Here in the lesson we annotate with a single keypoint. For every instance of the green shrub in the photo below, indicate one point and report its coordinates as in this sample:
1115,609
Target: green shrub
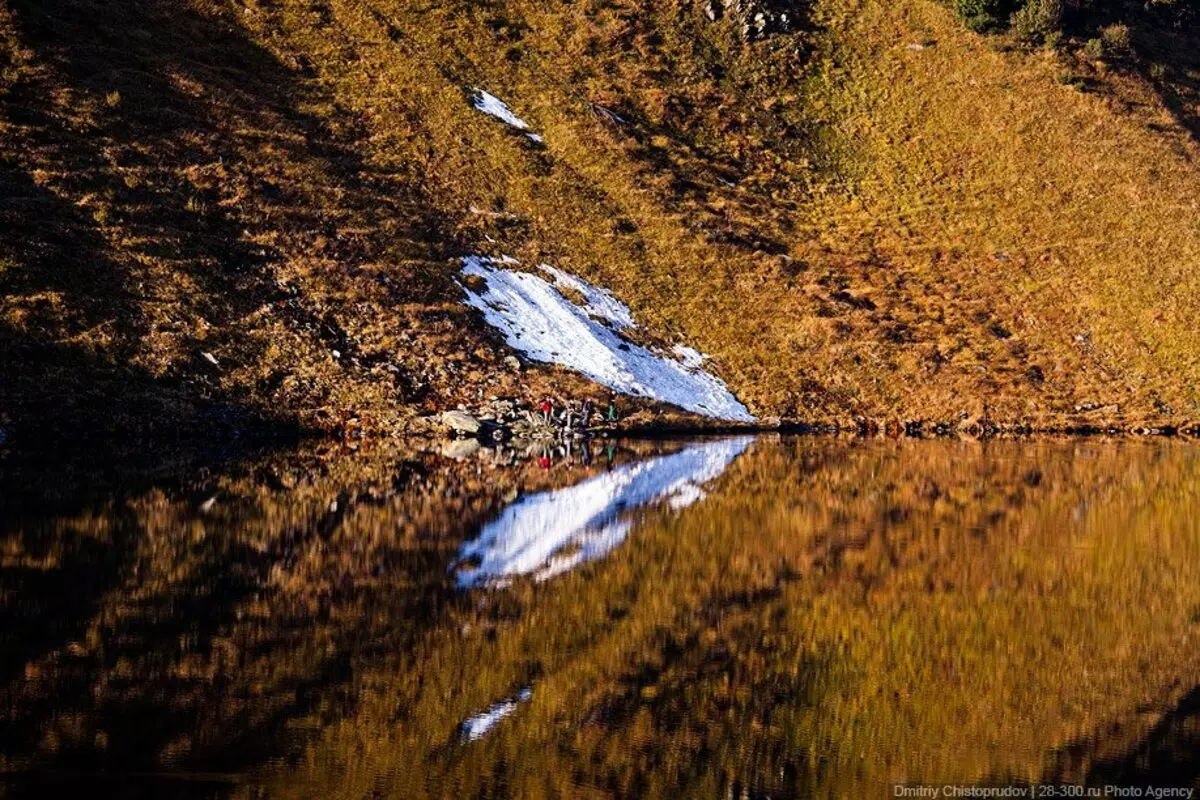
984,15
1094,48
1115,38
1037,20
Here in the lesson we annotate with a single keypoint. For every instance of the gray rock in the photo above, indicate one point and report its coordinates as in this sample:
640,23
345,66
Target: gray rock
462,422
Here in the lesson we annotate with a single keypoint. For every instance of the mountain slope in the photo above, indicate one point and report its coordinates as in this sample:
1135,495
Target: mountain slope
876,214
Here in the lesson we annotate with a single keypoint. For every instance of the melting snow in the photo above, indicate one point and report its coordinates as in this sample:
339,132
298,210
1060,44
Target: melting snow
537,319
550,533
598,303
475,727
690,358
494,106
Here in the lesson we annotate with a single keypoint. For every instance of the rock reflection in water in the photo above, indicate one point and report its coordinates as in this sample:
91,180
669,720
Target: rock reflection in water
834,617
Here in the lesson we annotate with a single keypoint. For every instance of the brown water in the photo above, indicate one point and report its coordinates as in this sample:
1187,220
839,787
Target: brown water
780,617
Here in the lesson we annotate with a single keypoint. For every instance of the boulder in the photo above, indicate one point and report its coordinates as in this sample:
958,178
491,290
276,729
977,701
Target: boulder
461,422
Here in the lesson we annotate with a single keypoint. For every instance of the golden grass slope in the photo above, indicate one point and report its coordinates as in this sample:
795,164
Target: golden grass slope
880,216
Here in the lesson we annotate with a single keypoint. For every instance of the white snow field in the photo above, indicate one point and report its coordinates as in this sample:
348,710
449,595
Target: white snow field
539,321
475,727
493,106
550,533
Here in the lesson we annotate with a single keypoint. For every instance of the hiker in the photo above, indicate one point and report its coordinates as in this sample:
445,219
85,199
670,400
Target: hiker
547,409
612,409
585,419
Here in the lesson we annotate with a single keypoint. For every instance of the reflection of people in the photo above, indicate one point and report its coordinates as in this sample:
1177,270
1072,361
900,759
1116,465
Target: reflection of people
585,453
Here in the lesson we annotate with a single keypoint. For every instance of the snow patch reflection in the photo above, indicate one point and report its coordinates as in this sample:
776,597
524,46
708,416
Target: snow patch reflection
476,727
547,534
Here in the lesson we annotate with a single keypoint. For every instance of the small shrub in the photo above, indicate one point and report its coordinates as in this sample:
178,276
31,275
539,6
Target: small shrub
113,99
984,15
1037,20
1094,48
1158,71
1115,38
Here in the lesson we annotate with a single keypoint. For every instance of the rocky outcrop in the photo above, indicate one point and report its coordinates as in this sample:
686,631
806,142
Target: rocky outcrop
755,19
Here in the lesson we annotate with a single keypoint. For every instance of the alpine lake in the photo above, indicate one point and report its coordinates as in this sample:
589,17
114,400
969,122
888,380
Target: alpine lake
728,617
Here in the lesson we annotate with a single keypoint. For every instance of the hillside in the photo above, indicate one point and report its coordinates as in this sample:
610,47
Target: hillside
220,213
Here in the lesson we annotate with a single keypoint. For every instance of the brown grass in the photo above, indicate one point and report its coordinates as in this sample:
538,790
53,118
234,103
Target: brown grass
849,226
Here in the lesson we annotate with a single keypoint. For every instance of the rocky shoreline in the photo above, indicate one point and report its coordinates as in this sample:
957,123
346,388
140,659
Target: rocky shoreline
555,421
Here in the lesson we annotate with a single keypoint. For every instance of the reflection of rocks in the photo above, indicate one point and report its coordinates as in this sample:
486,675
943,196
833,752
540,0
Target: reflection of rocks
459,449
755,19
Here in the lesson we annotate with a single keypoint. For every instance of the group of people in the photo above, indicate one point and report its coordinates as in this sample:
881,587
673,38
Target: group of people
571,417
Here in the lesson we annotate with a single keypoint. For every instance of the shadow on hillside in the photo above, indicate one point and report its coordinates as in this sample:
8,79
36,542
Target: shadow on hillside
1177,74
65,199
1164,42
153,152
66,399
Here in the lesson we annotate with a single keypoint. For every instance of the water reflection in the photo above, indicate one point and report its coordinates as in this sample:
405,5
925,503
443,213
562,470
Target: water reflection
833,617
550,533
478,725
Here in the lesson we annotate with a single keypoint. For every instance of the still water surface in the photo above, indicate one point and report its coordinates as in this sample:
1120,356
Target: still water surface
770,617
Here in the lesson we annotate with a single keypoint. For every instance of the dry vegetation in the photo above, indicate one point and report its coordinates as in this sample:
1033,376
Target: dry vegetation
880,215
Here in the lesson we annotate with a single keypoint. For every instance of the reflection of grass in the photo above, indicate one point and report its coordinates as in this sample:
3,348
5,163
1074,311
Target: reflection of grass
829,620
834,615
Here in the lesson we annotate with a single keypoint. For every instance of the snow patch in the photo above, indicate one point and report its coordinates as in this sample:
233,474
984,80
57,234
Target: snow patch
539,321
550,533
493,106
476,727
689,357
598,303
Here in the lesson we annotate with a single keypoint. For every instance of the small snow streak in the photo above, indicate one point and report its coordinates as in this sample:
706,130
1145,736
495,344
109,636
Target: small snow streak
493,106
550,533
538,320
